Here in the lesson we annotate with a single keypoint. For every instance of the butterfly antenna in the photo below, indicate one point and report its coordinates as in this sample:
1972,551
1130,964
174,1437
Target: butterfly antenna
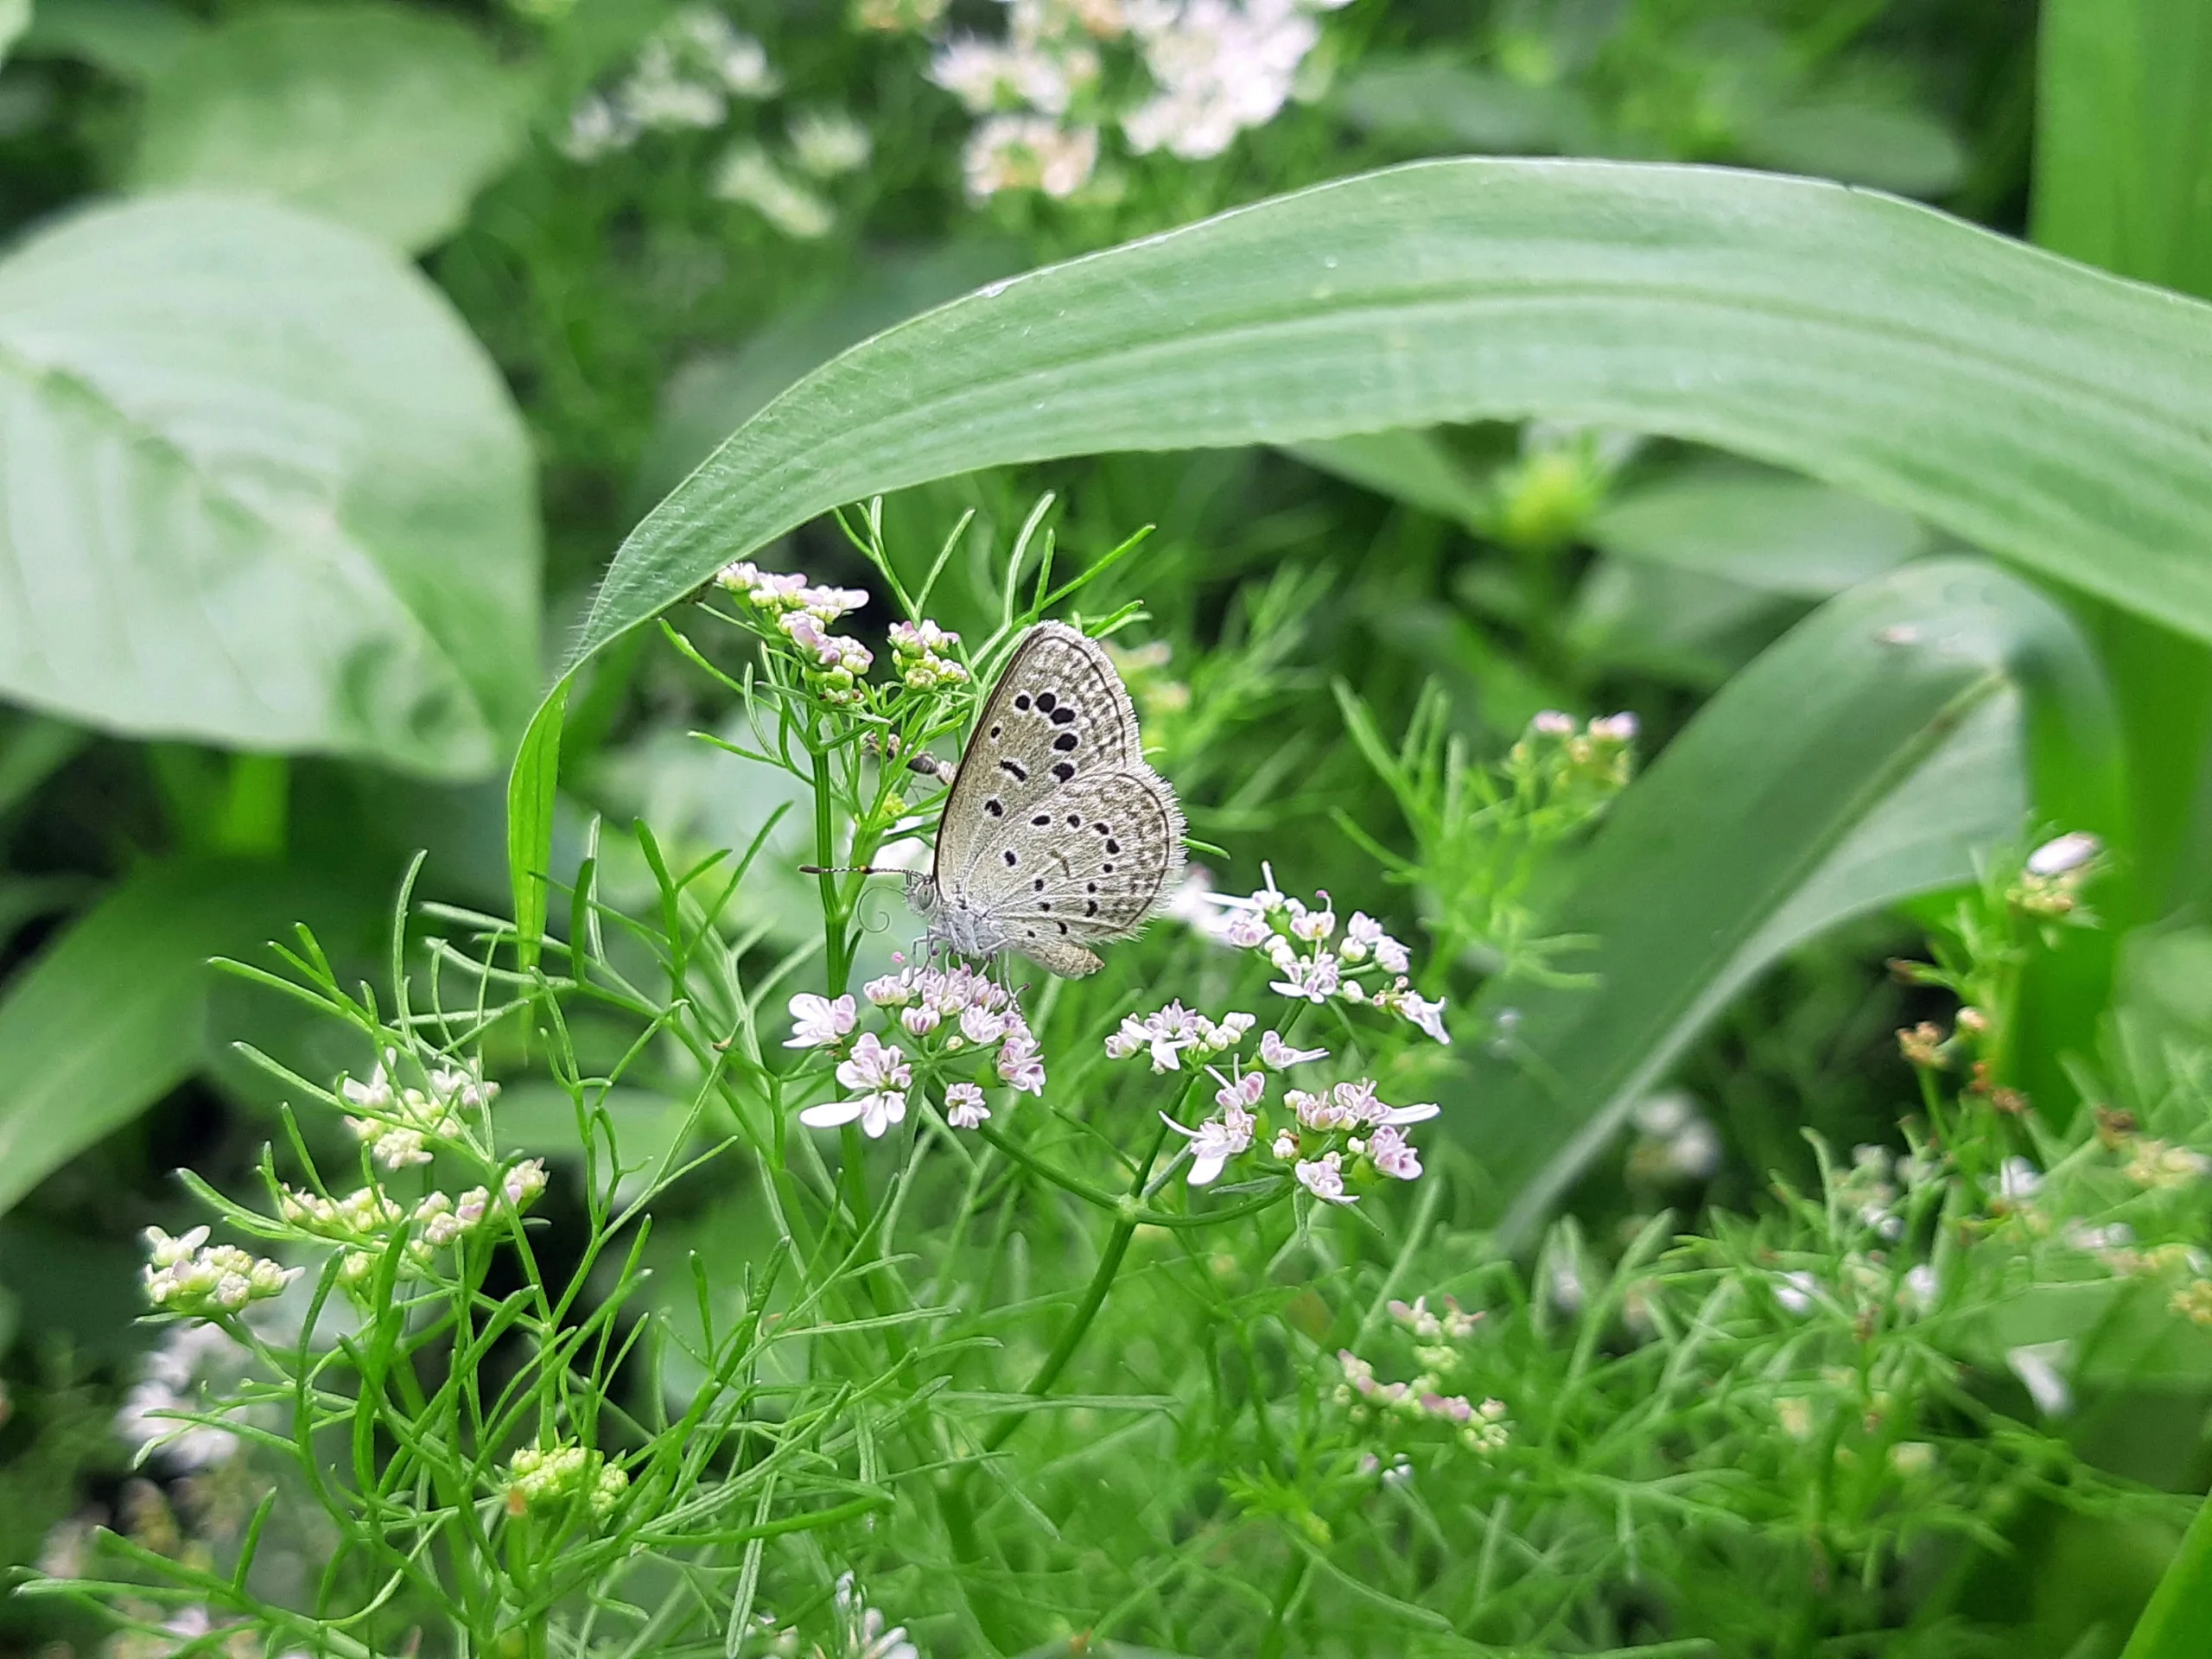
847,870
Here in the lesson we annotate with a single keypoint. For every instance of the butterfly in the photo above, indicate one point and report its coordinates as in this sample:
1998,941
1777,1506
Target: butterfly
1055,836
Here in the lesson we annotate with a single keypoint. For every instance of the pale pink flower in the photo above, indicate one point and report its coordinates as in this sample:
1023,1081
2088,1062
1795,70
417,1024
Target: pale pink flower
1019,1065
1274,1051
963,1106
874,1066
1387,1150
921,1019
1317,980
1242,1094
1323,1177
877,1112
1390,956
817,1021
1214,1142
1247,930
981,1026
892,991
1312,925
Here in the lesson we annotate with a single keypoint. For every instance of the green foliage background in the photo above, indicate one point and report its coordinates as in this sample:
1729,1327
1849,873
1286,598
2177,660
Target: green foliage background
340,413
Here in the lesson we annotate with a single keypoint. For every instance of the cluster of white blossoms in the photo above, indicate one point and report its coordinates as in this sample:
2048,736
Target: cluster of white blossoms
967,1032
690,75
684,76
190,1276
791,611
1366,967
173,1379
398,1123
917,655
1206,70
1324,1135
363,1222
1483,1429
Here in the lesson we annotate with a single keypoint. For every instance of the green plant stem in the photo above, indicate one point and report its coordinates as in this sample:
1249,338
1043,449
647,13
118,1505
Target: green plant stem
1094,1298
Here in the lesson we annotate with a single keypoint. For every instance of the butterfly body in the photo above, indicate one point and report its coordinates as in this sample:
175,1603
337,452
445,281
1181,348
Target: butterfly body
1056,836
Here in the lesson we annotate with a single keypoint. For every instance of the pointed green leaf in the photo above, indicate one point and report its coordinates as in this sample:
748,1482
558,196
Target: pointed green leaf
1863,759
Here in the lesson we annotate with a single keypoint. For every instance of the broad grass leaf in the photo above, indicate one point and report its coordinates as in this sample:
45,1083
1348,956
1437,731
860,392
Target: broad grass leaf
2174,1625
259,487
389,119
1866,757
2051,414
108,1018
1758,528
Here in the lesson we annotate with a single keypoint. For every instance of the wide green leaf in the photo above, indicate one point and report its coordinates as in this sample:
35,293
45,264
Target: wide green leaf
1757,529
389,119
259,486
2053,414
2175,1624
1866,757
110,1017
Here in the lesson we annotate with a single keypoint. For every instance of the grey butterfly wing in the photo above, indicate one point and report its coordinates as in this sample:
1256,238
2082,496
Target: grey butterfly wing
1091,862
1058,712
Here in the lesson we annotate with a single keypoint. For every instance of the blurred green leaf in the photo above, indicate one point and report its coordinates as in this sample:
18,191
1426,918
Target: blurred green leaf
132,39
2123,140
711,395
1672,624
2177,1624
1867,757
1887,145
108,1018
1408,465
1437,101
260,488
389,119
1759,529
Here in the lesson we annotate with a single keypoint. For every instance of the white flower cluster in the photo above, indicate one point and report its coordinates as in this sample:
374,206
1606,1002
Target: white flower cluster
1212,68
1296,936
190,1276
171,1380
684,76
918,652
1483,1429
687,76
959,1021
398,1123
1220,66
539,1477
1674,1141
364,1221
1346,1122
789,608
